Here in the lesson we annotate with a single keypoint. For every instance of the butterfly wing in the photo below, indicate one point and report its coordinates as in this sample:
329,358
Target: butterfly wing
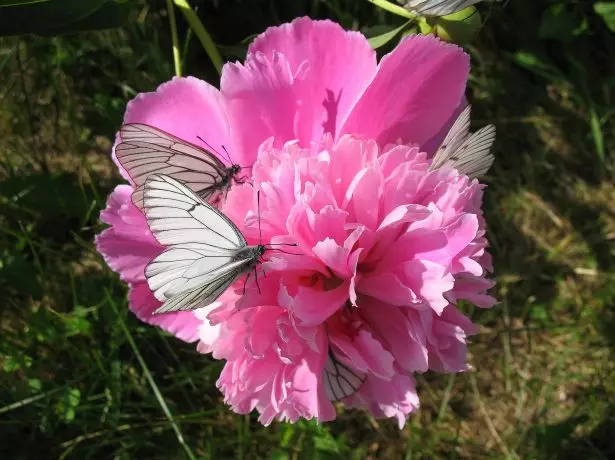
146,150
200,261
340,381
469,154
454,139
474,157
438,7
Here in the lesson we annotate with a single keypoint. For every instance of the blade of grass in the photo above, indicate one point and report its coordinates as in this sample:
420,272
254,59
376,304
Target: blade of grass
177,61
199,30
151,381
494,433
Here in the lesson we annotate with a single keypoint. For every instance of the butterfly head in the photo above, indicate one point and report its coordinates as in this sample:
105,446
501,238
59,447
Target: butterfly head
234,170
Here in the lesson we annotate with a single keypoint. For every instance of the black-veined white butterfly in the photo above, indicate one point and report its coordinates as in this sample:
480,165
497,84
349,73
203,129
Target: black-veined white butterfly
146,150
205,252
438,8
339,380
470,154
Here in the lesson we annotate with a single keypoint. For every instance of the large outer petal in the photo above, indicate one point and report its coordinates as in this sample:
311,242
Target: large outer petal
127,247
183,324
299,80
187,108
417,88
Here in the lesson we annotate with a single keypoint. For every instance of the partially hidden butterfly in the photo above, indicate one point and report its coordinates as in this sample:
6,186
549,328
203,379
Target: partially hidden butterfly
470,154
438,8
205,251
145,150
340,381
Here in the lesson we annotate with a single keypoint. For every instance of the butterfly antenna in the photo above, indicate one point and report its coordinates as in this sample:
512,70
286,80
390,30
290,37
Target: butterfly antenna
258,207
228,156
284,252
207,144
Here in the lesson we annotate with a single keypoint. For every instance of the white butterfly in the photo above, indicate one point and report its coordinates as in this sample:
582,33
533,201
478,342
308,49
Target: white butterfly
205,252
468,154
145,150
438,7
339,380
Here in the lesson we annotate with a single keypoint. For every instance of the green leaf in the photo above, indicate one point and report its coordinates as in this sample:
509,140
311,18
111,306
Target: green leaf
607,11
559,23
537,65
56,17
19,2
382,39
65,408
77,323
326,444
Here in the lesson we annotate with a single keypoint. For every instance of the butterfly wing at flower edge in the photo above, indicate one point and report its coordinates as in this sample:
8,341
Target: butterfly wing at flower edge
469,154
202,243
146,150
339,380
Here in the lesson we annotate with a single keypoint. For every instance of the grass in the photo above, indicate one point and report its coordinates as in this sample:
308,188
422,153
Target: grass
82,378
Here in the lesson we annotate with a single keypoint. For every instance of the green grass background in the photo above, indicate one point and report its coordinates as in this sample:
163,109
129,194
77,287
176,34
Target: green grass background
80,377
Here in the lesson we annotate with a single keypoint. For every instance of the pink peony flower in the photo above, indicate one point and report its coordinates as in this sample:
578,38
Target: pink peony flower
384,249
339,148
299,81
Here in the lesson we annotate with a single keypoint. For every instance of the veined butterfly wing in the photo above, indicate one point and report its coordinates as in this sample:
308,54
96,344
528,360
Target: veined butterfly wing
339,380
438,7
469,154
146,150
205,252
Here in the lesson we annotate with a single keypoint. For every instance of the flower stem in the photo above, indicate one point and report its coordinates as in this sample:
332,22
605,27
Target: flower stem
177,61
393,8
199,30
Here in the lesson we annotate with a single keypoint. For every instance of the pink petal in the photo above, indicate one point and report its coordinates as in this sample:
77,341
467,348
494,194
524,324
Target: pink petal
388,288
366,354
261,95
312,307
187,108
432,144
128,245
363,195
431,281
337,66
417,88
407,344
394,398
183,325
333,256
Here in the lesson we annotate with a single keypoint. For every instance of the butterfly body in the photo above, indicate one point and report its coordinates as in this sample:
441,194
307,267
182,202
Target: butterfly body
254,253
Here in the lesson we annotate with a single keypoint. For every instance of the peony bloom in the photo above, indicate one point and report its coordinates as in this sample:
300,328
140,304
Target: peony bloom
385,248
339,147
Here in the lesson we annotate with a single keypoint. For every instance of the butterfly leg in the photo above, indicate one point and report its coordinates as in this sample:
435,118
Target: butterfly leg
246,282
256,276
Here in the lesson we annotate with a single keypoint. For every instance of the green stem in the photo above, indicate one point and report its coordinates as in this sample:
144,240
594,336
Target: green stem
393,8
199,30
177,61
